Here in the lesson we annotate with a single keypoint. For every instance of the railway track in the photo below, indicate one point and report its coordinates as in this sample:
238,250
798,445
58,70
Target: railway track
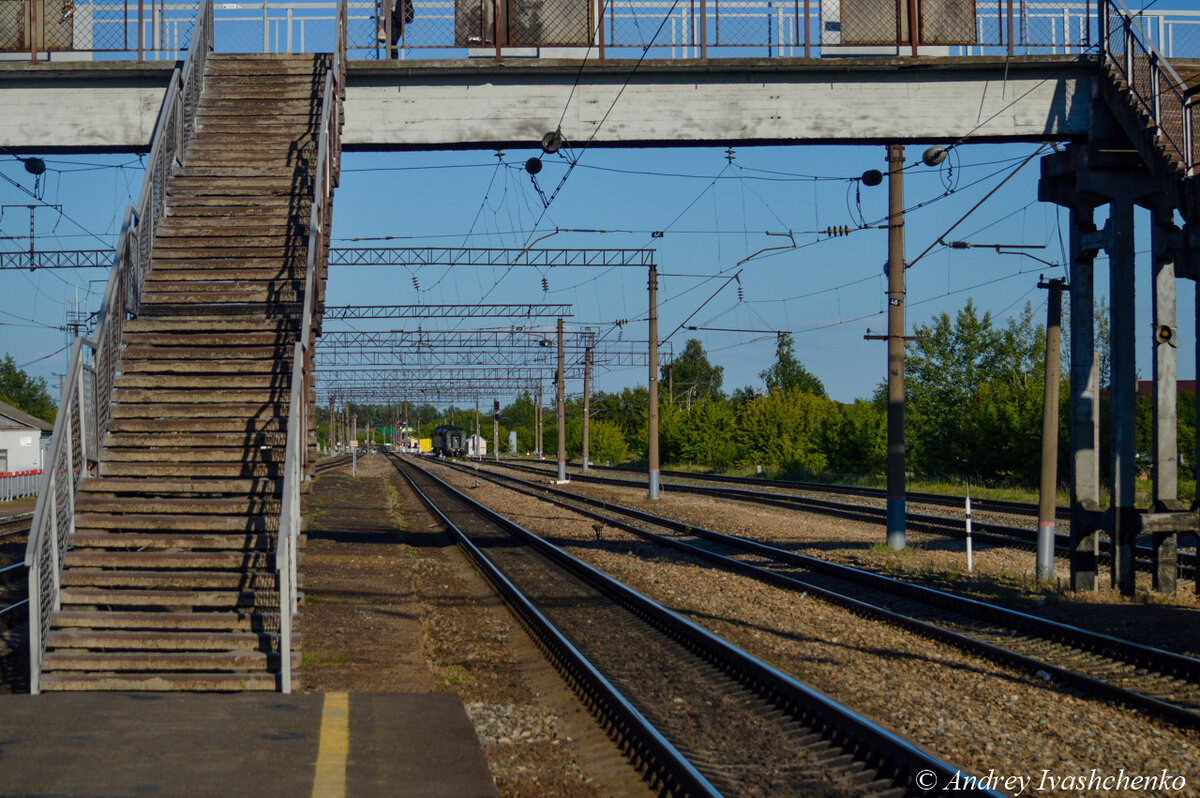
1160,683
982,532
1000,506
14,588
699,716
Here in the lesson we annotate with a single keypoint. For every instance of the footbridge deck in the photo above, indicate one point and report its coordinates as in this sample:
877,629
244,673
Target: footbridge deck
485,103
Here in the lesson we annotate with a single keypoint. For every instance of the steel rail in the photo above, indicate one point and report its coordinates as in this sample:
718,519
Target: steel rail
1166,664
980,504
889,753
983,532
653,750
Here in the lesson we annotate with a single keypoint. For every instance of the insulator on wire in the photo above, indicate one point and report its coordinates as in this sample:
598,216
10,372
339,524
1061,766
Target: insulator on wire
545,285
416,285
741,293
834,232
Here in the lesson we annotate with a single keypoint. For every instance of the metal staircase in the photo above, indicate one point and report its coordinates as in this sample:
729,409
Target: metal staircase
1155,107
164,558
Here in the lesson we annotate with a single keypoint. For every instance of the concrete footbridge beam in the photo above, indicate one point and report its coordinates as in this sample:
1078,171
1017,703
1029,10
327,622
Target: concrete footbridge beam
476,103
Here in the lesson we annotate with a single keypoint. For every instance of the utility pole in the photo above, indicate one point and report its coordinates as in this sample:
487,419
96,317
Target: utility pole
537,424
587,386
895,349
478,440
560,390
332,428
1048,490
652,431
354,447
496,429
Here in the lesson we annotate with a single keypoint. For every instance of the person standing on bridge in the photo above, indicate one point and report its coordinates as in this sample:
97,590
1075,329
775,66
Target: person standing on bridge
403,13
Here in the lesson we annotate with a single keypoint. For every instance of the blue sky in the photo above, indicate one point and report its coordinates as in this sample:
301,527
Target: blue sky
713,214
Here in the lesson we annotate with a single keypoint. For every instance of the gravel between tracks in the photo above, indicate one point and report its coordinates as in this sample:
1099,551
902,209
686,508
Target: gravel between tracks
1002,574
392,605
963,708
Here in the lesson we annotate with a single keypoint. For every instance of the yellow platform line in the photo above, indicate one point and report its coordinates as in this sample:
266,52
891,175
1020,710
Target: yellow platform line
333,748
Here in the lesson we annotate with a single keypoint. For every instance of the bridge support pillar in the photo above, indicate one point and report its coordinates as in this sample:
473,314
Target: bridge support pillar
1122,390
1084,402
1164,236
1081,179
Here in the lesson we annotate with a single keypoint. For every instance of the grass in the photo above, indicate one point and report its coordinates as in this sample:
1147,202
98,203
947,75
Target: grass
451,675
323,659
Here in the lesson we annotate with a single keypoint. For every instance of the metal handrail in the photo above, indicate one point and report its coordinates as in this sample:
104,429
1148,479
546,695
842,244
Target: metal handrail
296,463
1172,120
85,409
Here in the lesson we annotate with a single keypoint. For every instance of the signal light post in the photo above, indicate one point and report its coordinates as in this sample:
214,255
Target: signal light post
560,391
652,422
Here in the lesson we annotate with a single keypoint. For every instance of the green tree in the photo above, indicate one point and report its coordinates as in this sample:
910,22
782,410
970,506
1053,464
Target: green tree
702,434
692,376
24,392
974,396
854,440
789,374
785,429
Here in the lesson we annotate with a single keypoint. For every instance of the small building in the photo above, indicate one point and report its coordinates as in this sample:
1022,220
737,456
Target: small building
476,446
23,438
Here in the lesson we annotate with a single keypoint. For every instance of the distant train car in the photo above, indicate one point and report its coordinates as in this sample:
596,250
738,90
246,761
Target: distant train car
449,441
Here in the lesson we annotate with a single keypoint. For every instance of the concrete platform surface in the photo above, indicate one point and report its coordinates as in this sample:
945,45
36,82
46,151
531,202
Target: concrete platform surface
256,744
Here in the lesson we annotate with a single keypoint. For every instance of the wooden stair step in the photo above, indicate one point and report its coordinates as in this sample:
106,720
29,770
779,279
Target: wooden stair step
193,470
218,356
158,682
282,364
177,487
174,540
203,382
208,294
190,560
155,581
195,505
177,278
198,426
169,599
195,341
175,522
175,440
215,410
138,640
180,456
224,239
216,395
210,326
206,661
194,621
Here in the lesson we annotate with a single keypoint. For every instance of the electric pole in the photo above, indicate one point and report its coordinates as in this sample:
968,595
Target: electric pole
1048,490
587,380
652,424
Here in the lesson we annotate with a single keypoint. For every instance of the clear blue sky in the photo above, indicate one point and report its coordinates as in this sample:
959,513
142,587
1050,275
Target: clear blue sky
713,214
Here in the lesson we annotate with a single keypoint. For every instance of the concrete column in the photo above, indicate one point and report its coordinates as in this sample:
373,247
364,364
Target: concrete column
1166,430
1084,403
1048,490
561,408
896,515
652,420
587,401
1123,393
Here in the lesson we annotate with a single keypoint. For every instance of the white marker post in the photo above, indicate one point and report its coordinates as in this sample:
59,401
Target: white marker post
970,553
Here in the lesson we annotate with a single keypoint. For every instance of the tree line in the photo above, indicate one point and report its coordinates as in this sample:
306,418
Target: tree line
973,411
